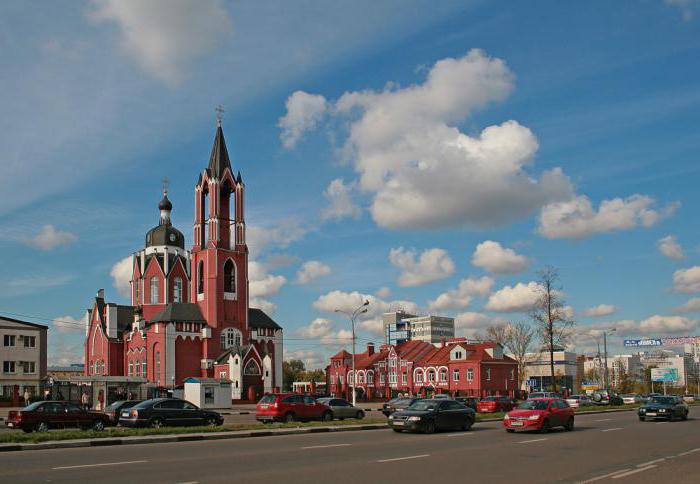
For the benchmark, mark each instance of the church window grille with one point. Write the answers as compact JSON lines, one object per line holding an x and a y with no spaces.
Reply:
{"x":177,"y":290}
{"x":251,"y":368}
{"x":154,"y":290}
{"x":230,"y":337}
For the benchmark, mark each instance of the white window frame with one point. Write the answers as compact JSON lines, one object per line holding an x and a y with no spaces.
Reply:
{"x":455,"y":374}
{"x":177,"y":290}
{"x":153,"y":296}
{"x":488,"y":374}
{"x":9,"y":340}
{"x":470,"y":375}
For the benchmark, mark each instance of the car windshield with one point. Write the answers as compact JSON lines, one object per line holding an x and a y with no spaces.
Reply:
{"x":146,"y":403}
{"x":267,"y":399}
{"x":114,"y":405}
{"x":663,"y":400}
{"x":534,"y":405}
{"x":423,"y":405}
{"x":32,"y":406}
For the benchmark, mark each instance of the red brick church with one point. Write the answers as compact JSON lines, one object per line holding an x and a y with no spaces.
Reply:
{"x":189,"y":313}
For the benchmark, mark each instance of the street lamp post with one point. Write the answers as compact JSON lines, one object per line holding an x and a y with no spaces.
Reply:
{"x":353,"y":315}
{"x":605,"y":352}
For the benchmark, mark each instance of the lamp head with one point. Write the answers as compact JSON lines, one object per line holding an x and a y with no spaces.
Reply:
{"x":366,"y":303}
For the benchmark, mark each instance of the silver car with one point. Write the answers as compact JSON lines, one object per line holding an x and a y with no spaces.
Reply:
{"x":342,"y":409}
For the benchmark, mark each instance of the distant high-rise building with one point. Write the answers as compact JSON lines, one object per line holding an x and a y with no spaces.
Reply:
{"x":400,"y":326}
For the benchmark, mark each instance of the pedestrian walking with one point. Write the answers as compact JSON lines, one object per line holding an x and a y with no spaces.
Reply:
{"x":26,"y":397}
{"x":85,"y":400}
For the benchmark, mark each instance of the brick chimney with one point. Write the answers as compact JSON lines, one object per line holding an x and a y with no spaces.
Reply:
{"x":370,"y":349}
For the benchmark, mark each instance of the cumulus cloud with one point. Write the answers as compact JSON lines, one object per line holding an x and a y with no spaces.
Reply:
{"x":325,"y":331}
{"x":471,"y":324}
{"x":304,"y":111}
{"x":493,"y":257}
{"x":687,"y":280}
{"x":373,"y":326}
{"x":49,"y":238}
{"x":510,"y":299}
{"x":281,"y":235}
{"x":312,"y":270}
{"x":165,"y":36}
{"x":261,"y":283}
{"x":349,"y":301}
{"x":68,"y":324}
{"x":577,"y":219}
{"x":312,"y":359}
{"x":65,"y":351}
{"x":261,"y":303}
{"x":670,"y":247}
{"x":691,"y":306}
{"x":461,"y":297}
{"x":340,"y":202}
{"x":433,"y":264}
{"x":121,"y":273}
{"x":667,"y":324}
{"x":599,"y":311}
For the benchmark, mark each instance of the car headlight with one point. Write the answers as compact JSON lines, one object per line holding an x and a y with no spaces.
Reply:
{"x":534,"y":417}
{"x":662,"y":410}
{"x":413,"y":419}
{"x":391,"y":417}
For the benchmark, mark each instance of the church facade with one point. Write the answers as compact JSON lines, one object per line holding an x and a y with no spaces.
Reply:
{"x":189,"y":314}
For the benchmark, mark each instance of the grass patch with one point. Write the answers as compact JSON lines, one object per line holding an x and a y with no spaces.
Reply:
{"x":17,"y":437}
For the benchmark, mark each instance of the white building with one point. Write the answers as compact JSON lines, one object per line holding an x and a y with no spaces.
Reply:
{"x":684,"y":365}
{"x":537,"y":368}
{"x":23,"y":356}
{"x":400,"y":326}
{"x":620,"y":365}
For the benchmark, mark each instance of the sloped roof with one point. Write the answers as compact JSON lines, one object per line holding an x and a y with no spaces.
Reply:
{"x":18,"y":321}
{"x":341,"y":354}
{"x":180,"y":312}
{"x":218,"y":160}
{"x":258,"y":319}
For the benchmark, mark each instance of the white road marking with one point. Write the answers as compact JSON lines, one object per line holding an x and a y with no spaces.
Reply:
{"x":603,"y":420}
{"x":610,"y":430}
{"x":635,"y":471}
{"x":459,"y":435}
{"x":325,"y":446}
{"x":651,"y":462}
{"x":528,"y":441}
{"x":688,"y":452}
{"x":660,"y":423}
{"x":603,"y":476}
{"x":100,"y":465}
{"x":405,"y":458}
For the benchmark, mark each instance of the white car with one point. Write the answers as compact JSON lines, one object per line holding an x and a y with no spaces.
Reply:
{"x":631,"y":398}
{"x":576,"y":401}
{"x":688,"y":398}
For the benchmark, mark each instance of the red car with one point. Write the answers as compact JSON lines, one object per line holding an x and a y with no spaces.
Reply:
{"x":540,"y":414}
{"x":42,"y":416}
{"x":494,"y":404}
{"x":289,"y":407}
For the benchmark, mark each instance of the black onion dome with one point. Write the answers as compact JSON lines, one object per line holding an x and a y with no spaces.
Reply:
{"x":165,"y":235}
{"x":165,"y":204}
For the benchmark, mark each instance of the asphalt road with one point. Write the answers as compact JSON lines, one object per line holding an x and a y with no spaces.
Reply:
{"x":612,"y":448}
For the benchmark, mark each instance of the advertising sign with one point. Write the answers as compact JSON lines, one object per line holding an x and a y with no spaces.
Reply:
{"x":643,"y":342}
{"x":662,"y":341}
{"x":668,"y":375}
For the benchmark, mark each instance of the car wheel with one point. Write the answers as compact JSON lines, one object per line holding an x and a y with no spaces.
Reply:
{"x":429,"y":427}
{"x":569,"y":425}
{"x":467,"y":424}
{"x":289,"y":417}
{"x":42,"y":427}
{"x":156,"y":423}
{"x":510,"y":431}
{"x":360,"y":415}
{"x":211,"y":422}
{"x":545,"y":427}
{"x":327,"y":416}
{"x":27,"y":430}
{"x":98,"y":425}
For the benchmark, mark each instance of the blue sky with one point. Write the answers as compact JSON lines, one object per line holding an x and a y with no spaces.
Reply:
{"x":390,"y":149}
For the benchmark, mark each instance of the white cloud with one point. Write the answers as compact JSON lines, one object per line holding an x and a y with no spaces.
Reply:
{"x":576,"y":218}
{"x":21,"y":286}
{"x":261,"y":283}
{"x":433,"y":264}
{"x":670,"y":247}
{"x":312,"y":359}
{"x":165,"y":36}
{"x":518,"y":298}
{"x":268,"y":307}
{"x":349,"y":301}
{"x":687,"y":280}
{"x":493,"y":257}
{"x":599,"y":311}
{"x":49,"y":238}
{"x":461,"y":297}
{"x":340,"y":201}
{"x":667,"y":324}
{"x":312,"y":270}
{"x":121,"y":273}
{"x":691,"y":306}
{"x":64,"y":351}
{"x":304,"y":111}
{"x":318,"y":328}
{"x":68,"y":324}
{"x":687,"y":7}
{"x":383,"y":292}
{"x":281,"y":235}
{"x":373,"y":326}
{"x":472,"y":324}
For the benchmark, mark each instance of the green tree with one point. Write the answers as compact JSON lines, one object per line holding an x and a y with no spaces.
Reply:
{"x":315,"y":376}
{"x":292,"y":370}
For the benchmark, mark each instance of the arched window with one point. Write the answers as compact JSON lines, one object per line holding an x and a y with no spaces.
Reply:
{"x":143,"y":367}
{"x":154,"y":290}
{"x":230,"y":337}
{"x":136,"y":292}
{"x":131,"y":368}
{"x":229,"y":276}
{"x":177,"y":290}
{"x":431,"y":376}
{"x":204,"y":236}
{"x":200,"y":278}
{"x":443,"y":374}
{"x":156,"y":359}
{"x":251,"y":368}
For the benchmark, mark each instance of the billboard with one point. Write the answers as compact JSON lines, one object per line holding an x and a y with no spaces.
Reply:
{"x":643,"y":342}
{"x":668,"y":375}
{"x":634,"y":343}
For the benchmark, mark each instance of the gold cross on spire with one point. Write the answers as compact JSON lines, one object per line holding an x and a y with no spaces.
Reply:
{"x":165,"y":185}
{"x":219,"y":114}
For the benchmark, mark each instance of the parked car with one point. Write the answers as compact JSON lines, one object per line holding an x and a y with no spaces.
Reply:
{"x":662,"y":407}
{"x":468,"y":401}
{"x":290,"y":407}
{"x":342,"y":409}
{"x":541,"y":414}
{"x":429,"y":415}
{"x":400,"y":403}
{"x":495,"y":404}
{"x":688,"y":398}
{"x":114,"y":411}
{"x":606,"y":397}
{"x":535,"y":395}
{"x":630,"y":398}
{"x":576,"y":401}
{"x":442,"y":396}
{"x":44,"y":415}
{"x":160,"y":412}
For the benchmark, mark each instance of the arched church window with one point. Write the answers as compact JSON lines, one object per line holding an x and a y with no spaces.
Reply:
{"x":154,"y":290}
{"x":200,"y":278}
{"x":136,"y":292}
{"x":229,"y":276}
{"x":177,"y":290}
{"x":230,"y":337}
{"x":251,"y":368}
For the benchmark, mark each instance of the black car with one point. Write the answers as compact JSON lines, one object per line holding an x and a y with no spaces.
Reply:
{"x":159,"y":412}
{"x":468,"y":401}
{"x":664,"y":408}
{"x":114,"y":410}
{"x":430,"y":415}
{"x":400,"y":403}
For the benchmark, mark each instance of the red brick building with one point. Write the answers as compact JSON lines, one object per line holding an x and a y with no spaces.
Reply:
{"x":189,"y":313}
{"x":419,"y":368}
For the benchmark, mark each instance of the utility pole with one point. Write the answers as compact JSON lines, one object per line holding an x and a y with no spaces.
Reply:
{"x":605,"y":351}
{"x":359,"y":310}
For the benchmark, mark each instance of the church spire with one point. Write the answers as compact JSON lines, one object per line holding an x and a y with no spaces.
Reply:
{"x":219,"y":160}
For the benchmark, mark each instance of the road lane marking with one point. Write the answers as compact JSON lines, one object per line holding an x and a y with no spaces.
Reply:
{"x":529,"y":441}
{"x":635,"y":471}
{"x":603,"y":420}
{"x":610,"y":430}
{"x":99,"y":465}
{"x":688,"y":452}
{"x":460,"y":434}
{"x":325,"y":446}
{"x":405,"y":458}
{"x":660,"y":423}
{"x":651,"y":462}
{"x":603,"y":476}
